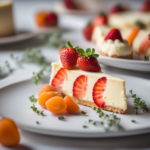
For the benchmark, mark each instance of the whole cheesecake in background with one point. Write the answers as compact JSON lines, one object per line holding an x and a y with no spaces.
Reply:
{"x":6,"y":18}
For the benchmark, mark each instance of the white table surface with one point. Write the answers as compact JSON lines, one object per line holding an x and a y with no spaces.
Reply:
{"x":32,"y":141}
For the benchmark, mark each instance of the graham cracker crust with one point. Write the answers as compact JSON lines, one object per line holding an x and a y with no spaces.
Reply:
{"x":115,"y":56}
{"x":91,"y":104}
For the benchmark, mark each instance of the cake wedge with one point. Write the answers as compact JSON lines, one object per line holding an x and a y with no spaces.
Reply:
{"x":90,"y":88}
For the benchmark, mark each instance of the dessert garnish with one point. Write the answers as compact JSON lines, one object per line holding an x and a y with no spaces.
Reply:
{"x":84,"y":126}
{"x":36,"y":110}
{"x":5,"y":70}
{"x":61,"y":117}
{"x":145,"y":45}
{"x":33,"y":99}
{"x":83,"y":112}
{"x":145,"y":6}
{"x":113,"y":34}
{"x":87,"y":60}
{"x":132,"y":35}
{"x":140,"y":24}
{"x":46,"y":19}
{"x":69,"y":56}
{"x":38,"y":76}
{"x":98,"y":90}
{"x":37,"y":122}
{"x":117,"y":8}
{"x":9,"y":133}
{"x":138,"y":103}
{"x":133,"y":121}
{"x":87,"y":31}
{"x":101,"y":19}
{"x":69,"y":4}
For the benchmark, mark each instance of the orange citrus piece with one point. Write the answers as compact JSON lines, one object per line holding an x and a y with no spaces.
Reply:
{"x":41,"y":19}
{"x":46,"y":88}
{"x":9,"y":134}
{"x":56,"y":105}
{"x":46,"y":96}
{"x":132,"y":35}
{"x":72,"y":107}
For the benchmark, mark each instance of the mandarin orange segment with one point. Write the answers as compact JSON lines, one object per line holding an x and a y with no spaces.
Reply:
{"x":132,"y":35}
{"x":56,"y":105}
{"x":41,"y":19}
{"x":46,"y":88}
{"x":46,"y":96}
{"x":72,"y":107}
{"x":9,"y":134}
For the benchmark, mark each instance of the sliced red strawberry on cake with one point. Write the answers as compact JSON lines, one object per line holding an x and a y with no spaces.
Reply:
{"x":80,"y":87}
{"x":59,"y":79}
{"x":98,"y":90}
{"x":114,"y":34}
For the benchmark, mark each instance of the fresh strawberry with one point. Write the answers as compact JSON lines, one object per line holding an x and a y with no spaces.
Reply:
{"x":68,"y":56}
{"x":87,"y":61}
{"x":98,"y":91}
{"x":100,"y":19}
{"x":59,"y":79}
{"x":80,"y":86}
{"x":87,"y":31}
{"x":113,"y":34}
{"x":69,"y":4}
{"x":117,"y":8}
{"x":145,"y":6}
{"x":51,"y":19}
{"x":145,"y":45}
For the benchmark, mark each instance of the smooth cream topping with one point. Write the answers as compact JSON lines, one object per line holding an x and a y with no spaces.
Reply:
{"x":115,"y":88}
{"x":116,"y":48}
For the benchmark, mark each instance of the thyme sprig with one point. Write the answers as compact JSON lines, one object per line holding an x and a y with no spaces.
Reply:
{"x":31,"y":55}
{"x":61,"y":117}
{"x":37,"y":111}
{"x":138,"y":103}
{"x":5,"y":70}
{"x":33,"y":99}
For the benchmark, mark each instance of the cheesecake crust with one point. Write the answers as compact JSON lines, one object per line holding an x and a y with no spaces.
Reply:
{"x":91,"y":104}
{"x":116,"y":56}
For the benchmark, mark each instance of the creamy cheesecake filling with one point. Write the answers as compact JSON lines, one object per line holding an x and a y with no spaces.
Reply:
{"x":114,"y":94}
{"x":116,"y":47}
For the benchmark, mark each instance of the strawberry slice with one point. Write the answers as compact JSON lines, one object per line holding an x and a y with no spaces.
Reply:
{"x":113,"y":34}
{"x":59,"y":79}
{"x":98,"y":91}
{"x":80,"y":86}
{"x":145,"y":45}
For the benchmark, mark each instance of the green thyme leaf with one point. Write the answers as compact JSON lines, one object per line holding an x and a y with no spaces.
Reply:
{"x":83,"y":112}
{"x":36,"y":110}
{"x":61,"y":117}
{"x":84,"y":126}
{"x":138,"y":103}
{"x":37,"y":122}
{"x":133,"y":121}
{"x":94,"y":108}
{"x":33,"y":99}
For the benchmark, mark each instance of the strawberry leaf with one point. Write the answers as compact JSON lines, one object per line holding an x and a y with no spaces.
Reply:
{"x":88,"y":51}
{"x":95,"y":55}
{"x":81,"y":51}
{"x":93,"y":50}
{"x":69,"y":44}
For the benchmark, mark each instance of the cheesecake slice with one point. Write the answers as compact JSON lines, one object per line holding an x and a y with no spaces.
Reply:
{"x":90,"y":88}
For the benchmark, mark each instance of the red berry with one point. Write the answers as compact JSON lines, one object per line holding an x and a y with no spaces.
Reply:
{"x":113,"y":34}
{"x":69,"y":4}
{"x":68,"y":57}
{"x":88,"y":64}
{"x":98,"y":91}
{"x":80,"y":86}
{"x":51,"y":19}
{"x":117,"y":8}
{"x":145,"y":6}
{"x":87,"y":32}
{"x":100,"y":20}
{"x":59,"y":79}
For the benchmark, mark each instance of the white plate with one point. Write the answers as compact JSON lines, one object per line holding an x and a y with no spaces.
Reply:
{"x":14,"y":104}
{"x":139,"y":65}
{"x":24,"y":35}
